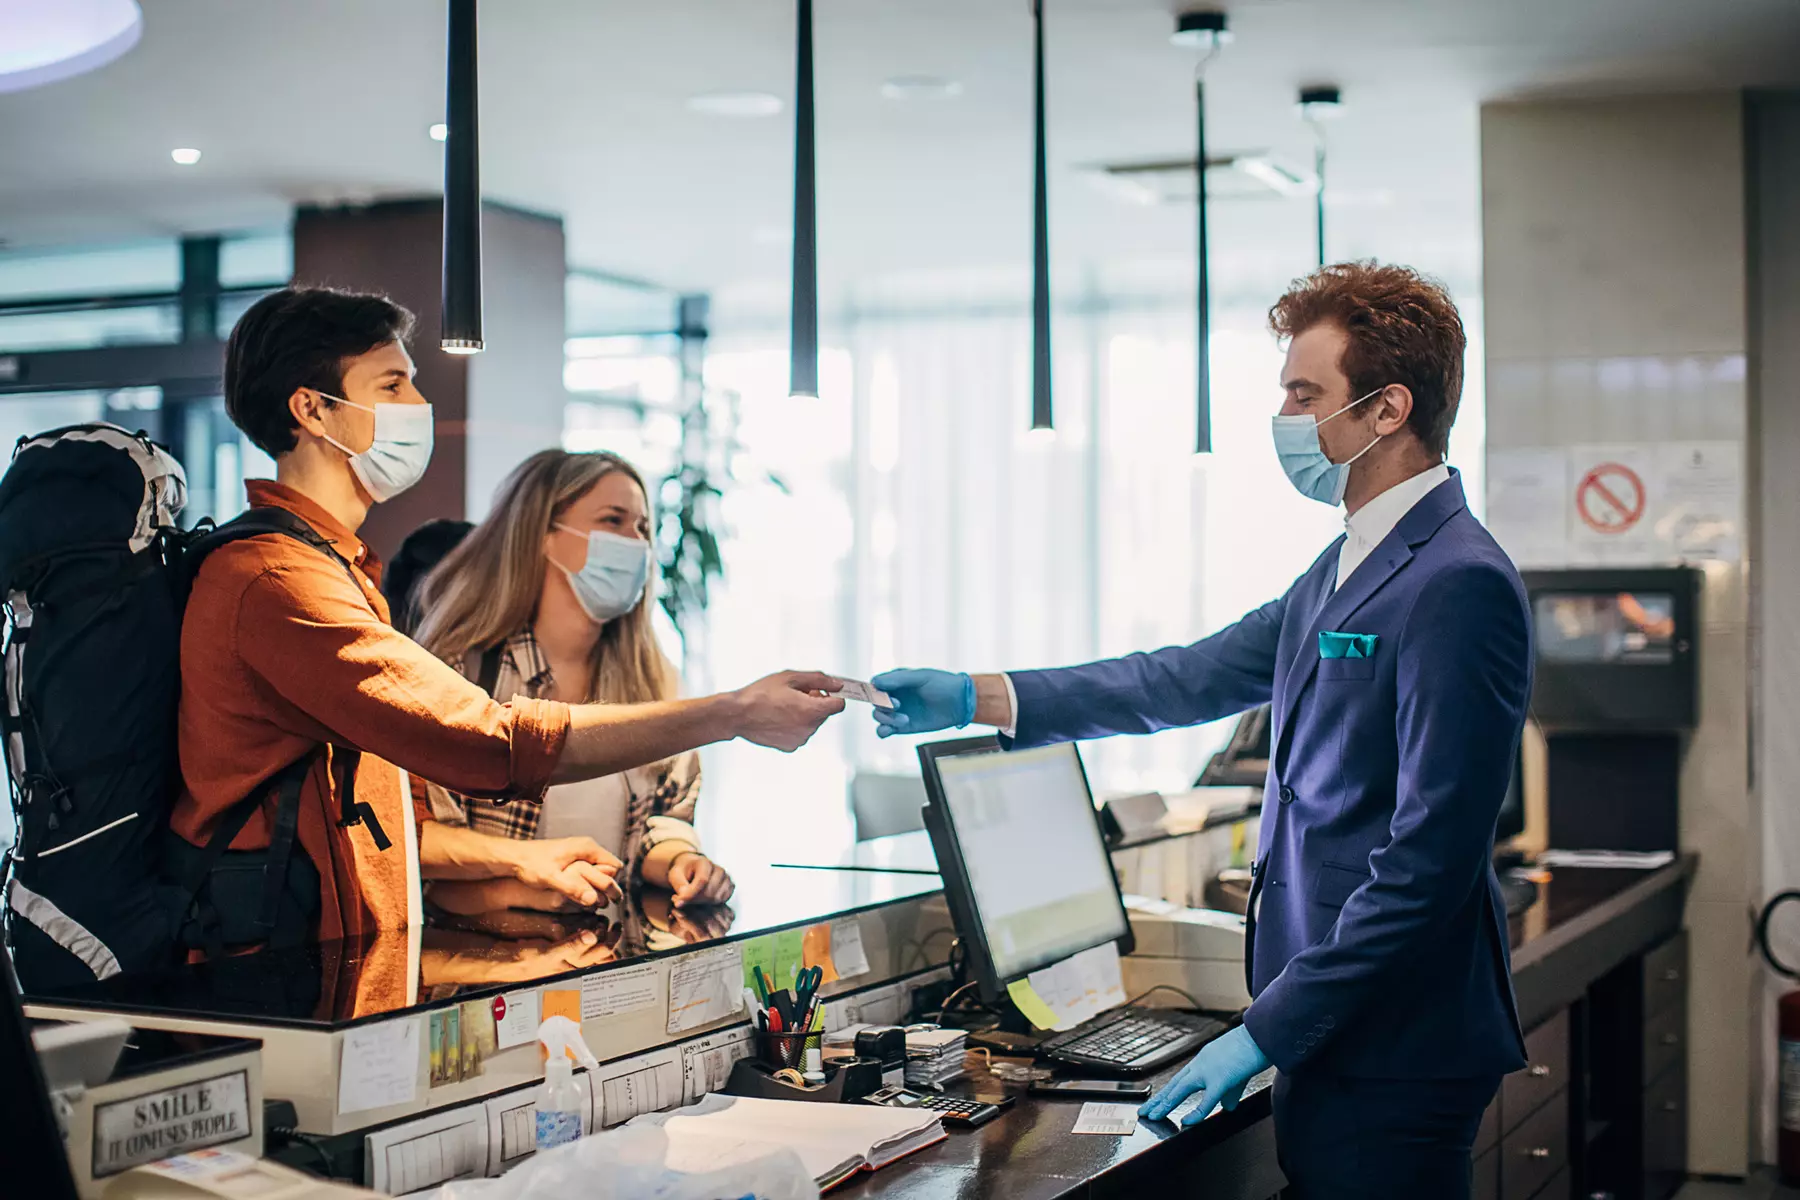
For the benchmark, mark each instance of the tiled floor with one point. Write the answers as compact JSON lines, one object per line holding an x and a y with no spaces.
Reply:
{"x":1760,"y":1186}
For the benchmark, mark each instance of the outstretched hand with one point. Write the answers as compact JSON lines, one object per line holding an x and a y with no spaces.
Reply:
{"x":924,"y":701}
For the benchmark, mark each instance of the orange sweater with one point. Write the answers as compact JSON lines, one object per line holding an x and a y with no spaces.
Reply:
{"x":280,"y":653}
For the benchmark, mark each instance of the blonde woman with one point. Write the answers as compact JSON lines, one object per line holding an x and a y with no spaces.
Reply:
{"x":550,"y":597}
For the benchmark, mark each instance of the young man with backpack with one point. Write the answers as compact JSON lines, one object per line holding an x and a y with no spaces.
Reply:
{"x":295,"y":685}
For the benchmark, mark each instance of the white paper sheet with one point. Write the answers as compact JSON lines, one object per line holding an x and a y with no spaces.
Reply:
{"x":1081,"y":986}
{"x":1528,"y":500}
{"x":380,"y":1066}
{"x":619,"y":991}
{"x":1115,"y":1120}
{"x":518,"y":1026}
{"x":847,"y":953}
{"x":705,"y":987}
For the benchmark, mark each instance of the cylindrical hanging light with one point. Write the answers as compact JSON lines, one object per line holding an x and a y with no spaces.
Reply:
{"x":803,"y":378}
{"x":1206,"y":31}
{"x":1042,"y":416}
{"x":1319,"y":104}
{"x":461,"y":315}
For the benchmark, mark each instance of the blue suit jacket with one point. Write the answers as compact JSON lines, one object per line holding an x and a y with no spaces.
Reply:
{"x":1380,"y":948}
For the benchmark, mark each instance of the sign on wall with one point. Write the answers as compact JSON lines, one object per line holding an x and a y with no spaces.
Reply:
{"x":1617,"y":504}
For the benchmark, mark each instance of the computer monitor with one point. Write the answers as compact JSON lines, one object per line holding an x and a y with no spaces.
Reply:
{"x":1024,"y":863}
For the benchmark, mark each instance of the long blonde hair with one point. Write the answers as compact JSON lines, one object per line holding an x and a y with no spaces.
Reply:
{"x":486,"y":589}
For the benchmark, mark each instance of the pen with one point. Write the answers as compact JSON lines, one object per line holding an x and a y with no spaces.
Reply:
{"x":762,"y":985}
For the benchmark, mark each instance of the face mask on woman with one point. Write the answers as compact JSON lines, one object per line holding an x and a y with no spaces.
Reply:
{"x":612,"y":580}
{"x":401,"y":451}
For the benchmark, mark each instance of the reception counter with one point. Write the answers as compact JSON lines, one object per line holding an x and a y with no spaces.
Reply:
{"x":636,"y":979}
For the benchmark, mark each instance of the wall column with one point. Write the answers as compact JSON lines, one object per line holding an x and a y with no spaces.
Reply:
{"x":492,"y":408}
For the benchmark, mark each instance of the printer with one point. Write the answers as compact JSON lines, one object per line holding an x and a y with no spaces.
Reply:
{"x":1199,"y":950}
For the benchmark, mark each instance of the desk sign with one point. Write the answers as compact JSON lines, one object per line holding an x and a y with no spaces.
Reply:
{"x":142,"y":1129}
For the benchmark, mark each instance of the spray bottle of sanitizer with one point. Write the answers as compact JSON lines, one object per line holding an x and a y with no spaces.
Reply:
{"x":559,"y":1102}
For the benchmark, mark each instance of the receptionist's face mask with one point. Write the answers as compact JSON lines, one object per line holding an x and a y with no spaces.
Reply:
{"x":401,"y":451}
{"x":1297,"y":446}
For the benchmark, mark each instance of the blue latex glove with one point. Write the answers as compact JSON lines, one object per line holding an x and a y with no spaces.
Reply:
{"x":924,"y":701}
{"x":1219,"y":1073}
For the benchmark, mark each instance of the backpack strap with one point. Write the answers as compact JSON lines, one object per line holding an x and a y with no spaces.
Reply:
{"x":256,"y":522}
{"x":489,"y":676}
{"x":287,"y":784}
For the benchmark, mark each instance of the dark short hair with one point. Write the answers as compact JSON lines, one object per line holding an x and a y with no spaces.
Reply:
{"x":1403,"y":328}
{"x":299,"y":337}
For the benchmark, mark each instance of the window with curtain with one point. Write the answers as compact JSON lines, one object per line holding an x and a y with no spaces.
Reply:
{"x":918,"y":521}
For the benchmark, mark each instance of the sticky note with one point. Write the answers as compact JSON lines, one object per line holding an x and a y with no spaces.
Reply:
{"x":380,"y":1066}
{"x":816,"y":949}
{"x":760,"y":952}
{"x":847,"y":948}
{"x":790,"y":950}
{"x":1030,"y":1004}
{"x":561,"y":1002}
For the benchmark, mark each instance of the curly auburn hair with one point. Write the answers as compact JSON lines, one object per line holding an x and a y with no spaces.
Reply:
{"x":1403,"y":328}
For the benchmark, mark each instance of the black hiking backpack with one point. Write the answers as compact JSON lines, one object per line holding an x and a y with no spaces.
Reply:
{"x":94,"y":574}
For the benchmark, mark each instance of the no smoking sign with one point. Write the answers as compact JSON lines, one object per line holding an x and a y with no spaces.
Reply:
{"x":1610,"y":498}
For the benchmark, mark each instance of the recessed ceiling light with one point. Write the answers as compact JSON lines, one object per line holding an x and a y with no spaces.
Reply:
{"x":439,"y":132}
{"x":48,"y":40}
{"x":735,"y":104}
{"x":921,"y":87}
{"x":187,"y":156}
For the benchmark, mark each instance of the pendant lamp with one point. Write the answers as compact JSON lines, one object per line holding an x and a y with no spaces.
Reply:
{"x":1206,"y":32}
{"x":461,"y":314}
{"x":1318,"y":104}
{"x":803,"y":377}
{"x":1042,"y":416}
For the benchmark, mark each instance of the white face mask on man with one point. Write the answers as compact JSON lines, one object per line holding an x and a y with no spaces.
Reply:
{"x":401,"y":451}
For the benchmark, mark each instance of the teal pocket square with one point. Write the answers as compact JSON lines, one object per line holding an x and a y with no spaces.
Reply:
{"x":1347,"y":645}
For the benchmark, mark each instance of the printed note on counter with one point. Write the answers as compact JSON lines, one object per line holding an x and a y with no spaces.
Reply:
{"x":619,"y":991}
{"x":380,"y":1066}
{"x":1116,"y":1120}
{"x":705,"y":987}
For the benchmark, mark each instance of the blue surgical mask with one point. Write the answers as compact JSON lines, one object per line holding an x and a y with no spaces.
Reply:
{"x":401,"y":451}
{"x":612,"y":580}
{"x":1312,"y":474}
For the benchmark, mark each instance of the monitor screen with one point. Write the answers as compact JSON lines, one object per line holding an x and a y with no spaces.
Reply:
{"x":1041,"y":880}
{"x":1611,"y":628}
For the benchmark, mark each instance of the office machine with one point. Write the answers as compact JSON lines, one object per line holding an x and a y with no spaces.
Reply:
{"x":1029,"y":885}
{"x":1616,"y":689}
{"x":1197,"y":950}
{"x":1244,"y":762}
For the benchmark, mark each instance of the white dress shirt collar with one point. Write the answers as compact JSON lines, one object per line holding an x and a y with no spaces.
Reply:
{"x":1369,"y":525}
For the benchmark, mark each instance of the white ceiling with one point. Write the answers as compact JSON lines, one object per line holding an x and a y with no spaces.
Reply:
{"x":583,"y":114}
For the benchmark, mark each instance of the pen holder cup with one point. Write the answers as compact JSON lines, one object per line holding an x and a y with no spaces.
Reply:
{"x":787,"y":1050}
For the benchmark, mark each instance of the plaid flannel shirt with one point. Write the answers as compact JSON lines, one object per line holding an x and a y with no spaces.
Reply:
{"x":661,"y":797}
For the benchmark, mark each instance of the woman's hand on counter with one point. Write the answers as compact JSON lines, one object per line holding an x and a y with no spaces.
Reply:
{"x":697,"y":880}
{"x":577,"y":867}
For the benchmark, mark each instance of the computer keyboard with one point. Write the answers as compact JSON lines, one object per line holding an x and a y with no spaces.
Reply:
{"x":1131,"y":1041}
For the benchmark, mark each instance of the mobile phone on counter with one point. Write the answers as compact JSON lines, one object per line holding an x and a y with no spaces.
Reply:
{"x":1093,"y":1089}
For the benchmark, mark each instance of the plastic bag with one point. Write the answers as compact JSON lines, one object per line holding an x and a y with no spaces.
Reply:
{"x":627,"y":1164}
